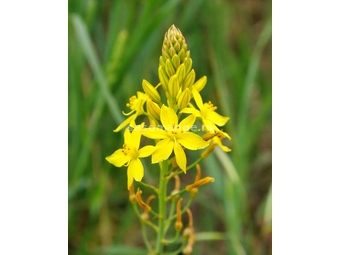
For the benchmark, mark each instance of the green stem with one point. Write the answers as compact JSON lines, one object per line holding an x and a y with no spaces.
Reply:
{"x":188,"y":168}
{"x":178,"y":250}
{"x":161,"y":207}
{"x":184,"y":209}
{"x":142,"y":219}
{"x":152,"y":117}
{"x":172,"y":211}
{"x":195,"y":163}
{"x":174,"y":238}
{"x":145,"y":237}
{"x":150,"y":187}
{"x":175,"y":195}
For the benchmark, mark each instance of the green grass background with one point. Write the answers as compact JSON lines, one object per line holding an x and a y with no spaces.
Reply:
{"x":113,"y":45}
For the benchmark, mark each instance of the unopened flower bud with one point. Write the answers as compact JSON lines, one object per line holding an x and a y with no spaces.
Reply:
{"x":163,"y":77}
{"x":188,"y":64}
{"x":170,"y":70}
{"x":153,"y":109}
{"x":173,"y":86}
{"x":174,"y":54}
{"x":176,"y":61}
{"x":184,"y":99}
{"x":189,"y":80}
{"x":181,"y":74}
{"x":173,"y":42}
{"x":151,"y":91}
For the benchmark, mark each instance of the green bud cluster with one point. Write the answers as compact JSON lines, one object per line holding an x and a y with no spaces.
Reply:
{"x":175,"y":68}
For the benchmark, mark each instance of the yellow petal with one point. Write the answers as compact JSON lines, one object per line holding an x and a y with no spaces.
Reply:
{"x":181,"y":158}
{"x":163,"y":150}
{"x":187,"y":123}
{"x":198,"y":98}
{"x":135,"y":138}
{"x":191,"y":141}
{"x":226,"y":135}
{"x":200,"y":84}
{"x":190,"y":110}
{"x":141,"y":95}
{"x":154,"y":133}
{"x":146,"y":151}
{"x":208,"y":126}
{"x":134,"y":171}
{"x":168,"y":117}
{"x":126,"y":122}
{"x":118,"y":158}
{"x":217,"y":118}
{"x":223,"y":147}
{"x":127,"y":136}
{"x":137,"y":169}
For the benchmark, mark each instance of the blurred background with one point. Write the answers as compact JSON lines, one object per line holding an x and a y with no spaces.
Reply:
{"x":113,"y":45}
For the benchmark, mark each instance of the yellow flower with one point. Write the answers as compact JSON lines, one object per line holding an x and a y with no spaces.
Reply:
{"x":129,"y":155}
{"x":174,"y":136}
{"x":136,"y":105}
{"x":207,"y":113}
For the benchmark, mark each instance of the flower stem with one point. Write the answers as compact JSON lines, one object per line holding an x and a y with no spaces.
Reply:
{"x":181,"y":172}
{"x":161,"y":207}
{"x":149,"y":186}
{"x":145,"y":237}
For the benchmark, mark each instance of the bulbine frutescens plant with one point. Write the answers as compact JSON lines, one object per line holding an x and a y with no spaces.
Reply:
{"x":171,"y":115}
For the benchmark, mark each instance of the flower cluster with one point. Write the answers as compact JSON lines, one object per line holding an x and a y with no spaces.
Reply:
{"x":172,"y":107}
{"x":174,"y":104}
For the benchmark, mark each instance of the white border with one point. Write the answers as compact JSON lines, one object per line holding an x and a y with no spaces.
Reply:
{"x":33,"y":129}
{"x":306,"y":56}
